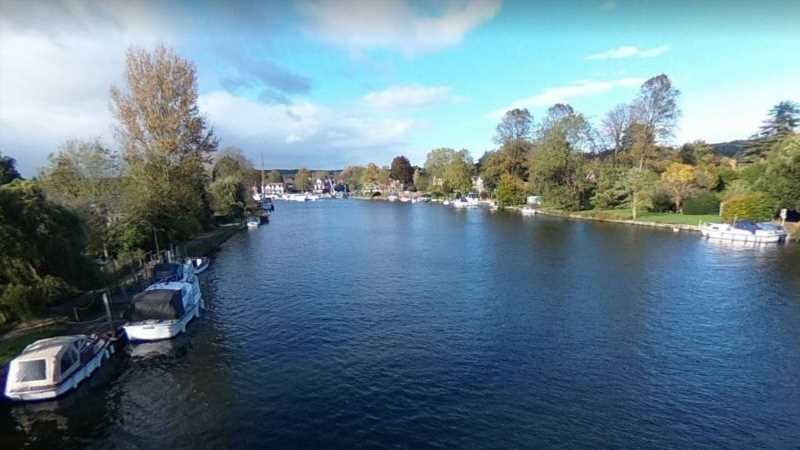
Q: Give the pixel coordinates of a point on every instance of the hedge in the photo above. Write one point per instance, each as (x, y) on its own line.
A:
(754, 206)
(704, 203)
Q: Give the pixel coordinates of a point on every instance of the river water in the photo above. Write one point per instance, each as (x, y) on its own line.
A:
(353, 324)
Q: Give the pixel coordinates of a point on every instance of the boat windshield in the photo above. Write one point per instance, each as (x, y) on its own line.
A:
(747, 226)
(34, 370)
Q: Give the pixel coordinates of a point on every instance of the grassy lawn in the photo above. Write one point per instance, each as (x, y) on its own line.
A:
(671, 218)
(9, 348)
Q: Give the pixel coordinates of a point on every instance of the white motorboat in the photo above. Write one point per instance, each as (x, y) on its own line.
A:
(163, 310)
(199, 264)
(253, 222)
(49, 368)
(464, 203)
(744, 231)
(528, 211)
(166, 272)
(446, 203)
(404, 199)
(472, 199)
(392, 197)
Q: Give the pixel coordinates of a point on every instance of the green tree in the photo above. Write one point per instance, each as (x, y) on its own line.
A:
(611, 191)
(351, 176)
(614, 126)
(302, 180)
(275, 176)
(401, 170)
(42, 248)
(642, 187)
(656, 107)
(421, 180)
(84, 176)
(680, 181)
(8, 169)
(166, 142)
(782, 121)
(231, 162)
(453, 168)
(695, 152)
(780, 179)
(514, 126)
(228, 197)
(510, 191)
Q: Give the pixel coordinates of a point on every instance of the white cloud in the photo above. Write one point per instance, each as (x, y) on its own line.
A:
(629, 51)
(406, 96)
(303, 133)
(563, 94)
(394, 24)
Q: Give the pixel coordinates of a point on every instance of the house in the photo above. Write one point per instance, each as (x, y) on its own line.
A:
(273, 188)
(322, 186)
(477, 185)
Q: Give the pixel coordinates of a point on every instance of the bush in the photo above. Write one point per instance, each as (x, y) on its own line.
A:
(754, 206)
(510, 191)
(661, 201)
(703, 203)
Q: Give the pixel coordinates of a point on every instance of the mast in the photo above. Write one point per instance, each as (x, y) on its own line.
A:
(262, 173)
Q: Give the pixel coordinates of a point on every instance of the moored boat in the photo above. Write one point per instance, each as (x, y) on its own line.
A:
(253, 222)
(163, 310)
(199, 264)
(528, 211)
(744, 231)
(49, 368)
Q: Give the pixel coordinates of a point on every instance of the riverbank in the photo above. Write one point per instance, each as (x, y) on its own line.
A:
(655, 220)
(16, 337)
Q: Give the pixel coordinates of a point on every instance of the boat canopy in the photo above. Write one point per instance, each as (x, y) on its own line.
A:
(165, 272)
(45, 362)
(746, 225)
(157, 304)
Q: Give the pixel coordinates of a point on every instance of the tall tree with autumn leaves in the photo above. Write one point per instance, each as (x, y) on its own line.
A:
(165, 141)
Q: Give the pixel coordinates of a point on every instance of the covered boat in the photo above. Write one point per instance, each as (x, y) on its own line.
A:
(744, 231)
(168, 272)
(49, 368)
(163, 310)
(199, 264)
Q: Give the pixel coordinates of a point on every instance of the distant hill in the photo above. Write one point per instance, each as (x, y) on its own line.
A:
(732, 149)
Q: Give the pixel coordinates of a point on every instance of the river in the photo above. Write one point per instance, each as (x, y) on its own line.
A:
(355, 324)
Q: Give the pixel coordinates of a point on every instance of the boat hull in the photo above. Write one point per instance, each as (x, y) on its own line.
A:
(146, 332)
(736, 237)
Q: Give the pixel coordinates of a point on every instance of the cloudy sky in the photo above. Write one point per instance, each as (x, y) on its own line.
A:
(325, 83)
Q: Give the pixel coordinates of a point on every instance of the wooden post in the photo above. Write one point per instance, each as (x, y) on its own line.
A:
(108, 314)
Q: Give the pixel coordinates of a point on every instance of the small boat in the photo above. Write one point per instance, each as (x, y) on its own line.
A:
(404, 199)
(253, 222)
(472, 199)
(464, 203)
(49, 368)
(744, 231)
(446, 203)
(167, 272)
(528, 211)
(199, 264)
(392, 197)
(163, 310)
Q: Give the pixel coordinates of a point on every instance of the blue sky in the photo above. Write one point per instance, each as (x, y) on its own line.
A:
(327, 83)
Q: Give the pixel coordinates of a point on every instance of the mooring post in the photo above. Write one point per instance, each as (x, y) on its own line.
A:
(108, 314)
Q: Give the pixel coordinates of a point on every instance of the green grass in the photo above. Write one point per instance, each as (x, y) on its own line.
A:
(10, 348)
(670, 218)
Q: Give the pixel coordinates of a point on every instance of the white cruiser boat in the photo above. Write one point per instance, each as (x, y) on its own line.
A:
(528, 211)
(253, 222)
(465, 203)
(166, 272)
(49, 368)
(392, 197)
(744, 231)
(163, 310)
(199, 265)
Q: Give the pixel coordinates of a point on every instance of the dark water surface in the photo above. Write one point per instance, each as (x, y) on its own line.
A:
(349, 324)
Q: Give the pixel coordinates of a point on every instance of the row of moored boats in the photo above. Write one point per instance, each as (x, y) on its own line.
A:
(51, 367)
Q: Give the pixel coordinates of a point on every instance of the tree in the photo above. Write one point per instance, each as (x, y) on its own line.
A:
(656, 107)
(401, 170)
(228, 196)
(231, 162)
(421, 180)
(275, 176)
(510, 191)
(782, 121)
(351, 177)
(614, 126)
(42, 252)
(642, 186)
(780, 179)
(514, 126)
(577, 130)
(8, 169)
(84, 176)
(611, 190)
(165, 141)
(302, 180)
(453, 168)
(695, 152)
(493, 165)
(679, 179)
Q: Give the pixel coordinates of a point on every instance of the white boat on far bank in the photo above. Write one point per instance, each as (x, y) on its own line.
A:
(528, 211)
(744, 231)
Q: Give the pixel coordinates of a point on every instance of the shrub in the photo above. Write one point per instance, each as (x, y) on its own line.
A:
(703, 203)
(510, 191)
(753, 206)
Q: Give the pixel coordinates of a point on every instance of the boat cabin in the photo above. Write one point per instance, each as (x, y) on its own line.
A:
(47, 363)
